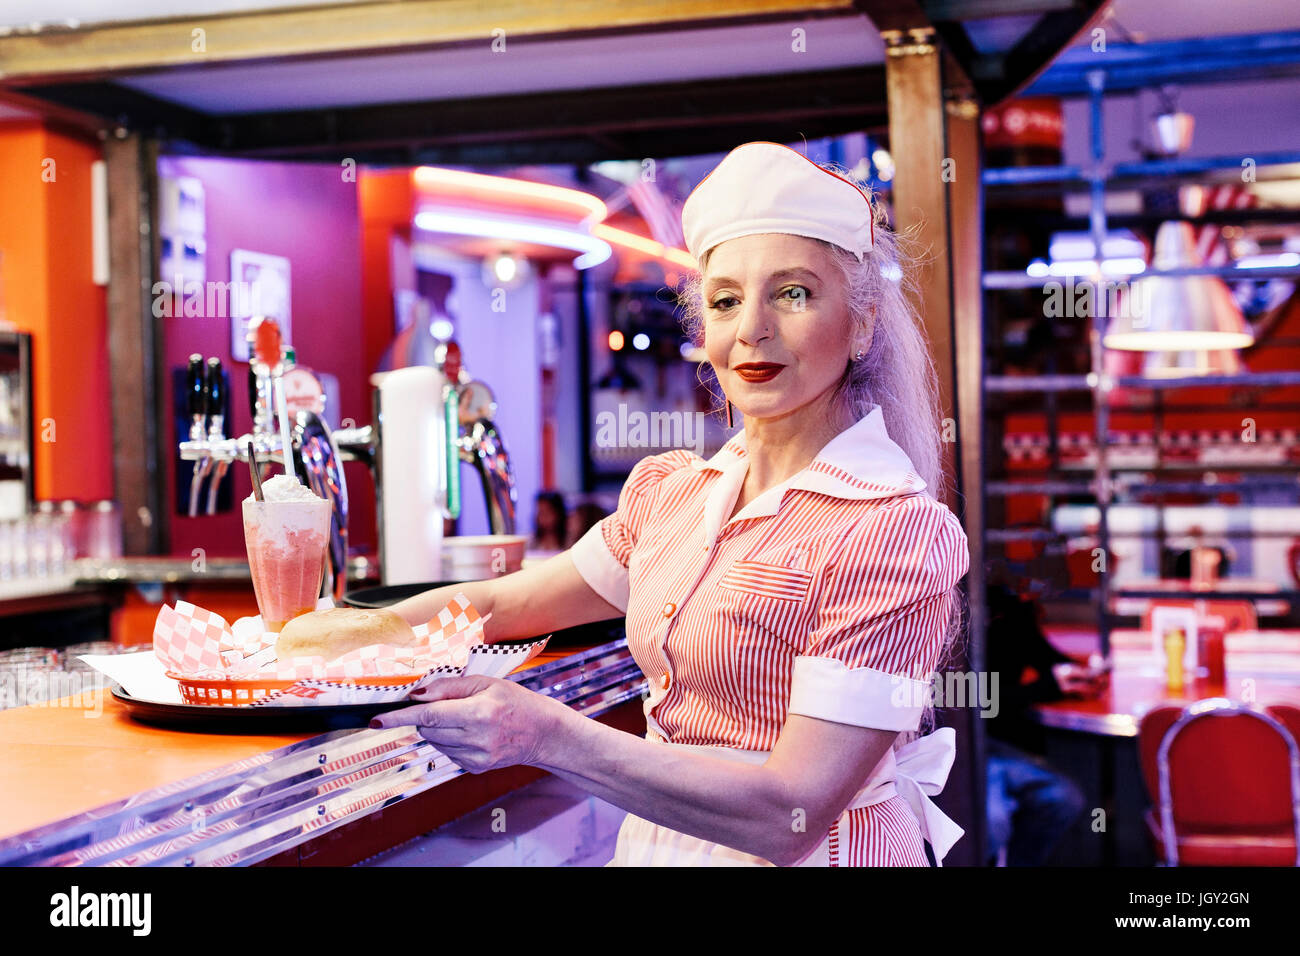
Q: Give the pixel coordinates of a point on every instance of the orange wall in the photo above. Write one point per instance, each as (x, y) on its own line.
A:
(48, 291)
(387, 204)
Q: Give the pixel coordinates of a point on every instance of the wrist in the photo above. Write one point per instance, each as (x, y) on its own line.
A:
(555, 731)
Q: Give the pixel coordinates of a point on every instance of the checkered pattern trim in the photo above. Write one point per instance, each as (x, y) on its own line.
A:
(194, 642)
(487, 660)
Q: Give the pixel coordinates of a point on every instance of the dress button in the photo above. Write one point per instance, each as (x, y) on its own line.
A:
(669, 608)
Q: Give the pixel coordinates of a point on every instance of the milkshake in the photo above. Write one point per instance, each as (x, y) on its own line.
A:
(287, 535)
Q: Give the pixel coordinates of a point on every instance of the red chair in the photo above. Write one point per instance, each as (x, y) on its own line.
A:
(1225, 781)
(1289, 715)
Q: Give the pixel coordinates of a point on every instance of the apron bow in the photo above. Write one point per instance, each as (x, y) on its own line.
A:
(922, 771)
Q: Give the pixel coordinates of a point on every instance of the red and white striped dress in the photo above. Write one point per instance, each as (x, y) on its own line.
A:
(824, 596)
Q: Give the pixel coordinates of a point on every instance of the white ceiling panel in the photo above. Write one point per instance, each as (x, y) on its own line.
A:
(26, 13)
(525, 66)
(1152, 20)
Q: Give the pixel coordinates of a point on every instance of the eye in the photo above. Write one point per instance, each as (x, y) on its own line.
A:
(721, 305)
(796, 293)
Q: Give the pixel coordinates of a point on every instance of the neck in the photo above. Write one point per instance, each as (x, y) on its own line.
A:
(780, 447)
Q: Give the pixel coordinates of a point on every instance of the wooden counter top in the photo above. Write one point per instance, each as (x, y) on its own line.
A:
(74, 755)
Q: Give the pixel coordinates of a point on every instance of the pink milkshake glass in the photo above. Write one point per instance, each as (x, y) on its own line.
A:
(287, 547)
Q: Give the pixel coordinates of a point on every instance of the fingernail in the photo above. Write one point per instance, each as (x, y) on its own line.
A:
(376, 724)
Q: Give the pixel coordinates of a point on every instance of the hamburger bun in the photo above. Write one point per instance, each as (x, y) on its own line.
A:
(336, 631)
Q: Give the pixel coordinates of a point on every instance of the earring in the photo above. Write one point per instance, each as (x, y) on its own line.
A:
(729, 424)
(858, 357)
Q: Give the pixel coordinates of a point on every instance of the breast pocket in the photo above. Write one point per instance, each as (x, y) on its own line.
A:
(767, 580)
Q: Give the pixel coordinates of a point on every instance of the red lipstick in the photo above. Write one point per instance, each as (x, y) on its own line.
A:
(759, 371)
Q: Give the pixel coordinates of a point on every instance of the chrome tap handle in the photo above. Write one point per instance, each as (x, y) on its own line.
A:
(485, 449)
(318, 454)
(253, 395)
(215, 398)
(196, 402)
(195, 399)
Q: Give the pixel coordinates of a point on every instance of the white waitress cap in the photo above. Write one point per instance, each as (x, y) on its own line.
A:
(766, 187)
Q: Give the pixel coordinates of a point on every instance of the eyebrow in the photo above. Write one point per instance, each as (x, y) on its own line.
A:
(797, 273)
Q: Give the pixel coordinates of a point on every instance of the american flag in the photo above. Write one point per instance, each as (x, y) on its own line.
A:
(663, 216)
(1211, 250)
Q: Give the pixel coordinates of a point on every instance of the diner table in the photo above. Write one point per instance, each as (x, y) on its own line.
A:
(1094, 740)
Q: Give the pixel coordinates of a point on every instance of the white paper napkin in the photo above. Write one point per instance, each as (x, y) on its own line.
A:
(142, 675)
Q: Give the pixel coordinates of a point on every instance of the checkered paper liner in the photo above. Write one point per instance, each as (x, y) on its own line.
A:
(487, 660)
(196, 644)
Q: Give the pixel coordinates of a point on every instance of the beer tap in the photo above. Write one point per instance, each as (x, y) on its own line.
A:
(196, 397)
(317, 453)
(216, 398)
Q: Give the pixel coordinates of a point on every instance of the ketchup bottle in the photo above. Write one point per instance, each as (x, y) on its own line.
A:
(1175, 645)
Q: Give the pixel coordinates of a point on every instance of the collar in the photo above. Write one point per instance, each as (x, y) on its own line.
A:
(860, 462)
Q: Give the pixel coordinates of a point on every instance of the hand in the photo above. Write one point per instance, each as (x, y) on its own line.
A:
(1076, 680)
(481, 723)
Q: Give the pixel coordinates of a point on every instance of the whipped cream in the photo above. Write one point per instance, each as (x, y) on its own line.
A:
(283, 488)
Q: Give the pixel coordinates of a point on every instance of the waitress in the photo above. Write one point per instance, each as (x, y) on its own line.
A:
(789, 598)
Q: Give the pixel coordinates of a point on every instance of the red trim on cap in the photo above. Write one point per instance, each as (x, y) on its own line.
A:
(871, 218)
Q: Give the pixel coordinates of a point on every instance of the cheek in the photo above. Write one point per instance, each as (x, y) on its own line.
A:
(819, 341)
(715, 344)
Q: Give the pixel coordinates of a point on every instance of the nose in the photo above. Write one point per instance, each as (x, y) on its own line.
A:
(756, 321)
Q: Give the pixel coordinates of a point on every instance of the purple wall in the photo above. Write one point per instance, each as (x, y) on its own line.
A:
(309, 215)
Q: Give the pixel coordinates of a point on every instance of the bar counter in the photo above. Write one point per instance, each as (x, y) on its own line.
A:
(91, 786)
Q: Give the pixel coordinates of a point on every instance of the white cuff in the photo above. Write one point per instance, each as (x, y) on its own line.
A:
(828, 689)
(599, 568)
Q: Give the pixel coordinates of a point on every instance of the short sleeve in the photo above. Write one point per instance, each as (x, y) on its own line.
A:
(602, 555)
(883, 618)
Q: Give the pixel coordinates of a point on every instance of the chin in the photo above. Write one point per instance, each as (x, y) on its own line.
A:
(765, 410)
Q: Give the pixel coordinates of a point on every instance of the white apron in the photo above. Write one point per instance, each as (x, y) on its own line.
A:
(915, 771)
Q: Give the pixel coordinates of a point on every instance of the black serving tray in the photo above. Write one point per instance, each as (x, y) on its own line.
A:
(206, 718)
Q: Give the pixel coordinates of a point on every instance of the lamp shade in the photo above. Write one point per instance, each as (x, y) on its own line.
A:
(1182, 313)
(1190, 362)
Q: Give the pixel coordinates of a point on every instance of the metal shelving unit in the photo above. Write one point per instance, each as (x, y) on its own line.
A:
(1107, 480)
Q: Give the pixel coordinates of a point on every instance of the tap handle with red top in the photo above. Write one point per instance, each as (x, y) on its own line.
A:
(268, 343)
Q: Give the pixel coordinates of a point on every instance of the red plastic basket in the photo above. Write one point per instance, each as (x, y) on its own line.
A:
(224, 692)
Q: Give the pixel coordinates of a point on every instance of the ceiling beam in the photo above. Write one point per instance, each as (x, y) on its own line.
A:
(660, 119)
(112, 105)
(75, 123)
(1132, 66)
(1034, 52)
(963, 10)
(55, 54)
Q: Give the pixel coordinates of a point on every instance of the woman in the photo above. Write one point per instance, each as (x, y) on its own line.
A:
(789, 598)
(550, 521)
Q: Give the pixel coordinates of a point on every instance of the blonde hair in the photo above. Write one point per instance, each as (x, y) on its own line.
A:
(897, 371)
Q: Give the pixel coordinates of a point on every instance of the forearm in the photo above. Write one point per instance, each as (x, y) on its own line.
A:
(530, 602)
(747, 807)
(423, 606)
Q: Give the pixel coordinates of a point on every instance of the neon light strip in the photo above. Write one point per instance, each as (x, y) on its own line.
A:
(632, 240)
(593, 251)
(460, 182)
